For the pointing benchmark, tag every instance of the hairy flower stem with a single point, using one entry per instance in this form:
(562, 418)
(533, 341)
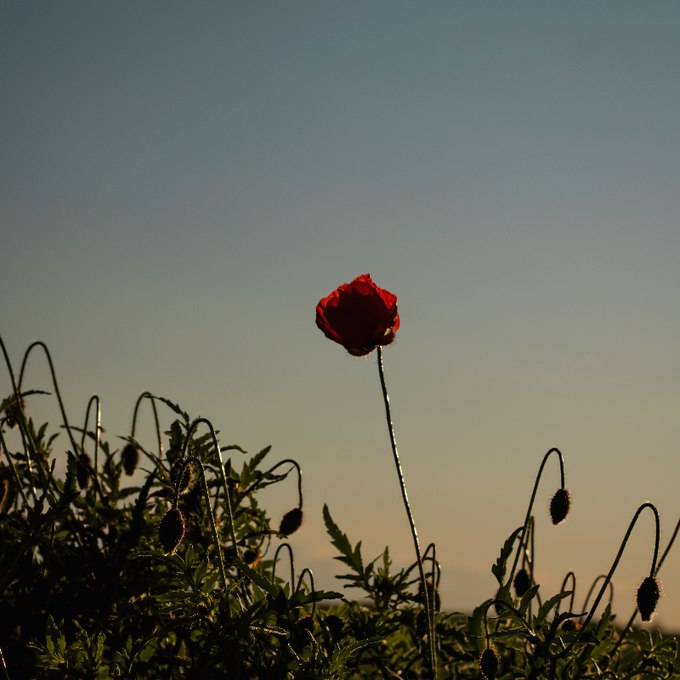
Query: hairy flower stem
(20, 420)
(55, 383)
(627, 627)
(185, 464)
(617, 559)
(94, 399)
(429, 609)
(531, 505)
(150, 397)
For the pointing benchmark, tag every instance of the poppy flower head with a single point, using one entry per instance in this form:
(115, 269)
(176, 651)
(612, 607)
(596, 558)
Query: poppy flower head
(359, 316)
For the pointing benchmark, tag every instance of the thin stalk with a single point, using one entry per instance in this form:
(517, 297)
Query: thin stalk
(572, 576)
(151, 398)
(97, 437)
(429, 610)
(20, 420)
(617, 559)
(55, 383)
(291, 562)
(624, 632)
(310, 575)
(531, 505)
(206, 494)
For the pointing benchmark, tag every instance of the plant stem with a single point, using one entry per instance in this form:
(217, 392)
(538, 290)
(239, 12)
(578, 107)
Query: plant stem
(429, 610)
(531, 505)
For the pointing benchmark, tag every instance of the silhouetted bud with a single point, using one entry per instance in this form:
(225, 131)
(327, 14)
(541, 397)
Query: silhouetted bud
(13, 413)
(488, 663)
(570, 625)
(291, 522)
(130, 458)
(252, 557)
(559, 506)
(521, 582)
(171, 530)
(648, 597)
(187, 473)
(83, 470)
(335, 625)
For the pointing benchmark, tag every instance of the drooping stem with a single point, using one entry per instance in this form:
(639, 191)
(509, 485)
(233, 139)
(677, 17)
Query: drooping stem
(429, 610)
(55, 383)
(531, 505)
(617, 559)
(97, 435)
(185, 464)
(310, 576)
(570, 576)
(292, 462)
(20, 419)
(291, 561)
(627, 627)
(150, 397)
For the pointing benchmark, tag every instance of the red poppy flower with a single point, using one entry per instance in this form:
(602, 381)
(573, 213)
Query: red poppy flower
(359, 315)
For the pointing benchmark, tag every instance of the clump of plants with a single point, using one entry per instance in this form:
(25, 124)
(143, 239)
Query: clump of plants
(159, 561)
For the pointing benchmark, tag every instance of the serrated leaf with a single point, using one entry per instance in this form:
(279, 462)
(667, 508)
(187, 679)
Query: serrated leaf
(549, 605)
(498, 569)
(351, 557)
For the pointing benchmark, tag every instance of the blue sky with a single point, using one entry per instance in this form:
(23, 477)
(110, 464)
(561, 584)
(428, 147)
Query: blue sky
(180, 184)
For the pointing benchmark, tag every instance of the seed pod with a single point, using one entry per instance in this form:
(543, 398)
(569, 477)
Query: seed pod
(291, 522)
(171, 530)
(559, 506)
(488, 663)
(83, 470)
(130, 458)
(648, 597)
(521, 582)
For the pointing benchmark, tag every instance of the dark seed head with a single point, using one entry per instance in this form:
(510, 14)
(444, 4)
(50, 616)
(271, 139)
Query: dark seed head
(291, 522)
(559, 506)
(648, 597)
(83, 470)
(171, 530)
(488, 663)
(130, 458)
(521, 582)
(13, 413)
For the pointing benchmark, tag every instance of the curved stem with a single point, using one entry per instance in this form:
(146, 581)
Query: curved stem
(206, 494)
(20, 419)
(310, 575)
(97, 437)
(291, 561)
(599, 578)
(151, 398)
(572, 576)
(624, 632)
(429, 610)
(295, 464)
(617, 559)
(531, 505)
(55, 383)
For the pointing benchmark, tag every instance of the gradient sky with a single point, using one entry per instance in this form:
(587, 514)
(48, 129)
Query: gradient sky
(180, 183)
